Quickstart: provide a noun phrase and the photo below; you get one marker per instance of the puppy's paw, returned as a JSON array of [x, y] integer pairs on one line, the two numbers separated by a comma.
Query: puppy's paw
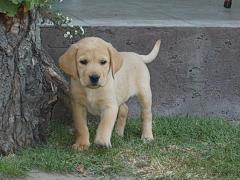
[[103, 142], [147, 137], [119, 132], [80, 147]]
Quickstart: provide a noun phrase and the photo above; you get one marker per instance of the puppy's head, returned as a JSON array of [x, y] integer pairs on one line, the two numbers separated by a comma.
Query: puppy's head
[[90, 61]]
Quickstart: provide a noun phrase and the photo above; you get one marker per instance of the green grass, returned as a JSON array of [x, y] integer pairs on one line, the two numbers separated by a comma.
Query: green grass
[[186, 148]]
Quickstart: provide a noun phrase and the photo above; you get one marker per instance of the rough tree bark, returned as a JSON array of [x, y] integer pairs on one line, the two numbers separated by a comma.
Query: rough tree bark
[[29, 84]]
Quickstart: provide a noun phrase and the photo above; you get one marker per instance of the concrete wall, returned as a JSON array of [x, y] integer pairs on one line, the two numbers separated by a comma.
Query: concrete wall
[[196, 72]]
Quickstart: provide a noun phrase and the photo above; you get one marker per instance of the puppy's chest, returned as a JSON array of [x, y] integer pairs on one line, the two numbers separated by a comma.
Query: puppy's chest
[[94, 103]]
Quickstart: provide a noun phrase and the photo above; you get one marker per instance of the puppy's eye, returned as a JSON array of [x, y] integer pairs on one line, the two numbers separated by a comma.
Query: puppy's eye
[[102, 62], [84, 62]]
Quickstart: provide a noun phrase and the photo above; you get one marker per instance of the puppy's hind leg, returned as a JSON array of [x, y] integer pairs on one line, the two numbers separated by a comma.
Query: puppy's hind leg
[[121, 119], [145, 100]]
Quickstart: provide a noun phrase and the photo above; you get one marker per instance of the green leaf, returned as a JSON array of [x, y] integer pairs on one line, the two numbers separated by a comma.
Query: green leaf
[[30, 4], [8, 7], [16, 1]]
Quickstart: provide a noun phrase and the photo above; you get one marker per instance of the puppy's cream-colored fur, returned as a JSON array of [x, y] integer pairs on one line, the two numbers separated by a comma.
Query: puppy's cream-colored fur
[[121, 75]]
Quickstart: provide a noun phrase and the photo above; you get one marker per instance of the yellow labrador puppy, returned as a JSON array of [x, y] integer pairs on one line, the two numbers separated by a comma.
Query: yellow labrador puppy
[[102, 80]]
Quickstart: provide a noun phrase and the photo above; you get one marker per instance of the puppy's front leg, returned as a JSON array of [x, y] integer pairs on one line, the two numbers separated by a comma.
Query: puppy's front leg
[[80, 124], [104, 131]]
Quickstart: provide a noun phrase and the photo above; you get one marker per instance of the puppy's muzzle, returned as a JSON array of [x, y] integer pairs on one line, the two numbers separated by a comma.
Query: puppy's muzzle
[[94, 78]]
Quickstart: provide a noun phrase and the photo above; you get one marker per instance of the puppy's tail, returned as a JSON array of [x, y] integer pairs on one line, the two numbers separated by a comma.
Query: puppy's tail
[[153, 54]]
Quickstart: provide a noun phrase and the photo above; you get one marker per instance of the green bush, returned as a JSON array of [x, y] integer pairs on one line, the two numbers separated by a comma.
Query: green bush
[[10, 7], [47, 14]]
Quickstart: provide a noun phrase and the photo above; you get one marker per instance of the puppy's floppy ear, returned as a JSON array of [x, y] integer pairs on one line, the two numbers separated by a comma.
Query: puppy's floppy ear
[[116, 60], [67, 61]]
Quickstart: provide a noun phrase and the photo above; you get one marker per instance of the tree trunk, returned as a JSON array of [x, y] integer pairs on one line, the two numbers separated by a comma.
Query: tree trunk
[[29, 84]]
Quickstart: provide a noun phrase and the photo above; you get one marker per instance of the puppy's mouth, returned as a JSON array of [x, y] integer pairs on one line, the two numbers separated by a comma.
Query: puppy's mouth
[[94, 86]]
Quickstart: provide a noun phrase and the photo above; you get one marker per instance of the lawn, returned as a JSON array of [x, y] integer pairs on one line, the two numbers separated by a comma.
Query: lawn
[[184, 148]]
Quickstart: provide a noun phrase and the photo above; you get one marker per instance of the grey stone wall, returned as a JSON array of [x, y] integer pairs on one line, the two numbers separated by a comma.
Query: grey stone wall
[[196, 72]]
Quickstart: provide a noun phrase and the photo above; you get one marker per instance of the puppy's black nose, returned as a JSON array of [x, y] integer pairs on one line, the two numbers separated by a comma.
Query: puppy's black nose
[[94, 78]]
